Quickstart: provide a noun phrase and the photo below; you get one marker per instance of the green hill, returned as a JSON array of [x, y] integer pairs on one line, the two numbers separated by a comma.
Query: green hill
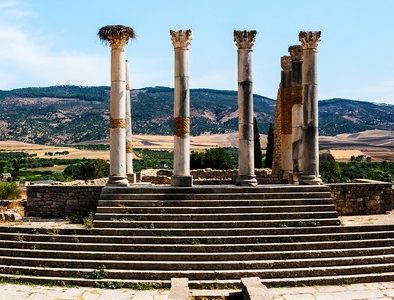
[[70, 114]]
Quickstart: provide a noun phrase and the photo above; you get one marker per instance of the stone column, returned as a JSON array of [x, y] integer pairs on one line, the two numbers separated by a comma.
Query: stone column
[[117, 36], [181, 40], [310, 135], [277, 157], [245, 41], [129, 144], [297, 114], [286, 144]]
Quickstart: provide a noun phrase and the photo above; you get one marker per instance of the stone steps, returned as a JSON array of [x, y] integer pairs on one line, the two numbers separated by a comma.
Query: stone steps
[[215, 202], [164, 238], [215, 224], [199, 274], [200, 231], [198, 256], [214, 216], [286, 235], [199, 284], [194, 246], [214, 209], [229, 189], [152, 266], [226, 196]]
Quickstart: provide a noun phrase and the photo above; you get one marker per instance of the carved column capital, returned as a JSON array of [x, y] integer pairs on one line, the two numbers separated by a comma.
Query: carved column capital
[[116, 35], [285, 63], [296, 53], [244, 39], [181, 38], [309, 39]]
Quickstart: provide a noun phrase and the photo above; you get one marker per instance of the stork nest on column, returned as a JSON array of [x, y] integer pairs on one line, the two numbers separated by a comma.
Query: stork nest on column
[[110, 32]]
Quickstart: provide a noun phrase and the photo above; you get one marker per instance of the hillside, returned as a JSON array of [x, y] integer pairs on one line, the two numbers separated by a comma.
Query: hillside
[[71, 114]]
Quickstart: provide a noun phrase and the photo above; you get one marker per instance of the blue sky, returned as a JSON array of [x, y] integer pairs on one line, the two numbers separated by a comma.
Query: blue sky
[[51, 42]]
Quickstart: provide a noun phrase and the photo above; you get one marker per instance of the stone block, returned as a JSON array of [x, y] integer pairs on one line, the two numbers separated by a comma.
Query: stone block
[[253, 289], [179, 289]]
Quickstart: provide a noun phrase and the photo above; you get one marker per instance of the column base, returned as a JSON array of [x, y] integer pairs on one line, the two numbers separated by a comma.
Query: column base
[[117, 181], [182, 181], [295, 177], [132, 178], [246, 180], [310, 180]]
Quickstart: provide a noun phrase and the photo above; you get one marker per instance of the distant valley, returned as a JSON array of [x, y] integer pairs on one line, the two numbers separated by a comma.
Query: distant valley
[[64, 115]]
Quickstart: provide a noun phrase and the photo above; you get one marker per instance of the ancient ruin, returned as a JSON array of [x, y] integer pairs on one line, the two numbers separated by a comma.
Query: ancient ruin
[[296, 155], [215, 233], [244, 41], [117, 36], [181, 40]]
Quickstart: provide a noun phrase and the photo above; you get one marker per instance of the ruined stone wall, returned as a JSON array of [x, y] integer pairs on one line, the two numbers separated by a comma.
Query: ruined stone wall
[[362, 197], [58, 201], [214, 177]]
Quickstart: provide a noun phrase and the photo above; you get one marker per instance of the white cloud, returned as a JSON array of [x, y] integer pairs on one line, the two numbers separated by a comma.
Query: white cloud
[[14, 8], [23, 55]]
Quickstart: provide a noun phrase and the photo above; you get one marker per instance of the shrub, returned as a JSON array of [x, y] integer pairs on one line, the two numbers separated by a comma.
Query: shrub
[[215, 158], [330, 171], [9, 190], [89, 169]]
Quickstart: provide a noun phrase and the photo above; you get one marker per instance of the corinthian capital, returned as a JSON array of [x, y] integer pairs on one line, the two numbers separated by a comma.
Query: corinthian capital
[[309, 39], [285, 63], [295, 53], [116, 35], [244, 39], [181, 38]]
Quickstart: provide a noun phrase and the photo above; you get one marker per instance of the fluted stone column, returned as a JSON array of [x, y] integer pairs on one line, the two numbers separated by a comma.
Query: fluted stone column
[[310, 135], [286, 144], [117, 36], [245, 41], [181, 40], [129, 144], [297, 113]]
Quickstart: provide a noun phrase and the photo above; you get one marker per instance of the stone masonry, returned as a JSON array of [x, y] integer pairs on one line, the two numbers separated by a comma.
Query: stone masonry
[[363, 197], [58, 201]]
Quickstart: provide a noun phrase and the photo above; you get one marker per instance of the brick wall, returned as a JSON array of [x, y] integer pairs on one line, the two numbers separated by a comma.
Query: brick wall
[[58, 201], [362, 197]]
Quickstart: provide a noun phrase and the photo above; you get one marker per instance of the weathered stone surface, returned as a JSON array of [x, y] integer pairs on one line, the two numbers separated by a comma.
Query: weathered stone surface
[[362, 198], [277, 158], [58, 201], [244, 41], [179, 289], [253, 289], [181, 40], [310, 137]]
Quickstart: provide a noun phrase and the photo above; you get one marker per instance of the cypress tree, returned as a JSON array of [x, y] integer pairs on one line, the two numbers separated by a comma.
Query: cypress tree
[[258, 158], [269, 156]]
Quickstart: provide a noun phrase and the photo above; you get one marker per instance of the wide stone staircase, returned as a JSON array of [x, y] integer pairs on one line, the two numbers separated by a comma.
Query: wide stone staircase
[[144, 236]]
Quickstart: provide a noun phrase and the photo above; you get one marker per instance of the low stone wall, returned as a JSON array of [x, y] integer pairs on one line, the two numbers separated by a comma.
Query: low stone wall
[[362, 197], [210, 176], [56, 201]]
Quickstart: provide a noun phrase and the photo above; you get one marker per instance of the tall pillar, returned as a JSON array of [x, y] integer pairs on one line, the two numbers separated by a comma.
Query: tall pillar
[[277, 157], [181, 40], [245, 41], [286, 144], [310, 134], [117, 36], [297, 114], [129, 144]]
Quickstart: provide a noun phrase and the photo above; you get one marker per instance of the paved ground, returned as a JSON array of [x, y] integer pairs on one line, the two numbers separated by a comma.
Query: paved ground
[[366, 291]]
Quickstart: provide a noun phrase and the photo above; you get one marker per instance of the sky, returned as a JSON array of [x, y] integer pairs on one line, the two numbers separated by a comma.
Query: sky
[[54, 42]]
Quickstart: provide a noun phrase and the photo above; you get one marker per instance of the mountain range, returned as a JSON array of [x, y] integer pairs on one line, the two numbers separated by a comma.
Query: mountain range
[[72, 114]]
